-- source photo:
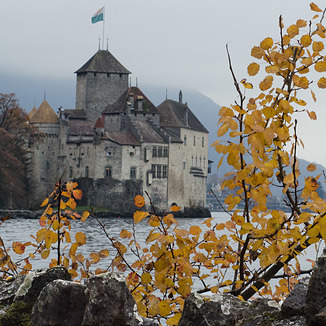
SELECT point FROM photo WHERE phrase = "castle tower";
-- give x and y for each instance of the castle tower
(100, 82)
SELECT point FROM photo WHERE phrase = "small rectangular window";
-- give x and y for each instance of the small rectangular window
(165, 172)
(154, 151)
(132, 173)
(70, 172)
(159, 171)
(159, 151)
(202, 142)
(165, 152)
(153, 171)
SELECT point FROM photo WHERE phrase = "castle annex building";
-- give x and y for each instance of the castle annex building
(116, 143)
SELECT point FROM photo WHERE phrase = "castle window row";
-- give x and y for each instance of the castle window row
(160, 151)
(159, 171)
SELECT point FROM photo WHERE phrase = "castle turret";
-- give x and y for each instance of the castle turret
(100, 82)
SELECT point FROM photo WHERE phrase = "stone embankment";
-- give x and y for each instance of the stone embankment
(187, 213)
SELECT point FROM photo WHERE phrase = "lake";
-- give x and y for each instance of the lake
(21, 229)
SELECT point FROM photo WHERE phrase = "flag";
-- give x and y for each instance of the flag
(98, 16)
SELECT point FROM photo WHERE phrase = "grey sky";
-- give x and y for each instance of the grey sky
(179, 43)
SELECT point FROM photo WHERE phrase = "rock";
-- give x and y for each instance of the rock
(294, 321)
(227, 310)
(109, 302)
(316, 294)
(34, 282)
(8, 289)
(213, 310)
(60, 303)
(295, 302)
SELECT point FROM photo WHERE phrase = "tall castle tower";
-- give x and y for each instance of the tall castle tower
(100, 81)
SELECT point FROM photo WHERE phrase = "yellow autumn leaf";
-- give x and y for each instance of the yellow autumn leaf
(289, 178)
(55, 225)
(267, 43)
(253, 69)
(257, 52)
(322, 82)
(312, 115)
(272, 69)
(45, 202)
(320, 66)
(125, 234)
(169, 238)
(293, 30)
(45, 254)
(305, 40)
(164, 308)
(317, 46)
(266, 83)
(174, 320)
(313, 96)
(311, 167)
(80, 238)
(301, 23)
(314, 7)
(104, 253)
(95, 257)
(303, 82)
(222, 130)
(84, 216)
(139, 216)
(146, 278)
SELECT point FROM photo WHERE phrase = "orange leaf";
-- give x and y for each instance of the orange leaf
(139, 201)
(18, 247)
(175, 208)
(253, 69)
(77, 193)
(267, 43)
(95, 257)
(125, 234)
(314, 7)
(311, 167)
(104, 253)
(194, 229)
(139, 216)
(312, 115)
(322, 82)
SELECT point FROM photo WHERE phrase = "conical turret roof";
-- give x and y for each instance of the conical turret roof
(44, 114)
(103, 61)
(33, 111)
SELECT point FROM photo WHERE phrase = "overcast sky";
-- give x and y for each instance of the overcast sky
(172, 43)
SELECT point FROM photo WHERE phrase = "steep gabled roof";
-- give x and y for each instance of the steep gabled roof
(44, 114)
(121, 138)
(103, 61)
(178, 115)
(81, 127)
(120, 105)
(32, 112)
(99, 123)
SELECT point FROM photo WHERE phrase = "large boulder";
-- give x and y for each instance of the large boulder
(109, 302)
(226, 310)
(34, 282)
(295, 302)
(8, 289)
(316, 294)
(60, 303)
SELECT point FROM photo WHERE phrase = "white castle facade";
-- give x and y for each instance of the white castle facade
(116, 144)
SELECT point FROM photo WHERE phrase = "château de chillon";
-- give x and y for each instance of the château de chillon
(117, 144)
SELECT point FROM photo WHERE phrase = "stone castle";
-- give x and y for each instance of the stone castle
(116, 144)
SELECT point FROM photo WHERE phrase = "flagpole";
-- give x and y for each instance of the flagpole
(103, 27)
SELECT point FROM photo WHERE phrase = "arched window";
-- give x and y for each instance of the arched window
(108, 171)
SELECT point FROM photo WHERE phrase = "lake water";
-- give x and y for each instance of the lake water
(21, 229)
